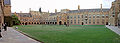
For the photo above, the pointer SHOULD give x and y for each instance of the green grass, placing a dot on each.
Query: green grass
(72, 34)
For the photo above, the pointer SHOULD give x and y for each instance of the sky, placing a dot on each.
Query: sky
(51, 5)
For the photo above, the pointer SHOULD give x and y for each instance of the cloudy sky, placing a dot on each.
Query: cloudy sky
(51, 5)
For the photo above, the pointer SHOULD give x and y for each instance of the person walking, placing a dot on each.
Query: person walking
(0, 32)
(5, 27)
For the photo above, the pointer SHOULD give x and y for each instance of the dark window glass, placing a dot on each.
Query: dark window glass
(102, 16)
(67, 17)
(93, 22)
(89, 16)
(97, 22)
(89, 22)
(74, 21)
(78, 16)
(82, 16)
(106, 16)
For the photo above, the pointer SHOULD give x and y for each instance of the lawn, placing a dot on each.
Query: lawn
(71, 34)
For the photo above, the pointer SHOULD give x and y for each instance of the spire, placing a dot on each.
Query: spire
(78, 7)
(101, 6)
(29, 9)
(48, 11)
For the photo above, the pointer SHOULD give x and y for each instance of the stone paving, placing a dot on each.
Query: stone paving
(13, 36)
(115, 29)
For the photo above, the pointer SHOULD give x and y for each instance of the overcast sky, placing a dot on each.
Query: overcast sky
(51, 5)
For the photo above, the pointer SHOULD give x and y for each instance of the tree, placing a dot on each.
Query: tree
(15, 20)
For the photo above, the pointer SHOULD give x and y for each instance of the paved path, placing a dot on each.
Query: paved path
(13, 36)
(115, 29)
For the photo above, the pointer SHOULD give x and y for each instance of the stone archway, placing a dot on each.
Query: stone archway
(82, 23)
(37, 23)
(60, 22)
(22, 23)
(55, 22)
(29, 23)
(106, 23)
(25, 23)
(64, 23)
(32, 23)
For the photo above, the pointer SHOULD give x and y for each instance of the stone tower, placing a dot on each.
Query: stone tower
(7, 12)
(7, 8)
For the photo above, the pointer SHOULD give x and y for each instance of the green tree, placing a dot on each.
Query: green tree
(15, 20)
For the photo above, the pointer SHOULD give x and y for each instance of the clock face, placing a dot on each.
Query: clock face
(7, 2)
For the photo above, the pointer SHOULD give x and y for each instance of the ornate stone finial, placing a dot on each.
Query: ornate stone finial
(101, 6)
(78, 7)
(55, 10)
(29, 9)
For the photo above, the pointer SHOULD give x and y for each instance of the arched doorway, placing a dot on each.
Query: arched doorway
(22, 23)
(82, 23)
(60, 23)
(55, 22)
(34, 22)
(29, 22)
(64, 23)
(106, 23)
(37, 23)
(25, 23)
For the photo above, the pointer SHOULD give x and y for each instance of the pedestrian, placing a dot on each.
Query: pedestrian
(16, 27)
(5, 27)
(0, 33)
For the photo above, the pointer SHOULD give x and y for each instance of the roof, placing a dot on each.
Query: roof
(24, 14)
(83, 10)
(87, 10)
(51, 14)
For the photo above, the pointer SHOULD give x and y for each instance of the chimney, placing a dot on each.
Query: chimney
(55, 10)
(29, 9)
(48, 11)
(101, 6)
(20, 11)
(78, 7)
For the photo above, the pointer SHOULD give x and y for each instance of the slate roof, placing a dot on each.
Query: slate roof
(24, 14)
(82, 10)
(51, 14)
(87, 10)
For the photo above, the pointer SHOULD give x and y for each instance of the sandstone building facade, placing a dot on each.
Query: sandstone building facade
(98, 16)
(5, 12)
(114, 13)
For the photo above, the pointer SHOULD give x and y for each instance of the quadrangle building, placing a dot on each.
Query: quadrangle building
(96, 16)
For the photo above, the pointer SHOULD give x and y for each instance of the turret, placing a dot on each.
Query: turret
(78, 7)
(40, 10)
(55, 10)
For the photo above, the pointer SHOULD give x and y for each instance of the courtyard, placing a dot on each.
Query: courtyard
(71, 34)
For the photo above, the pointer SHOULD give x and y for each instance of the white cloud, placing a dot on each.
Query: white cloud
(24, 5)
